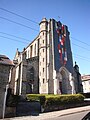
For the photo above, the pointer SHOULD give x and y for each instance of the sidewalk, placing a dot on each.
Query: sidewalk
(54, 114)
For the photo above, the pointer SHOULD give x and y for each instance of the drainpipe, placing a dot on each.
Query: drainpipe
(4, 103)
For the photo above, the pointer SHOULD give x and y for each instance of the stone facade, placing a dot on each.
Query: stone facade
(27, 78)
(5, 67)
(46, 65)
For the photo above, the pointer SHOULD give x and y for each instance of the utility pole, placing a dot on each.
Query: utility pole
(4, 103)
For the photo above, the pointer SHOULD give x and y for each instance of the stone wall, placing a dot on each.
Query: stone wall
(4, 79)
(33, 63)
(27, 81)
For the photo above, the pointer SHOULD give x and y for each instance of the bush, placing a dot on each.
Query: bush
(63, 99)
(56, 100)
(36, 97)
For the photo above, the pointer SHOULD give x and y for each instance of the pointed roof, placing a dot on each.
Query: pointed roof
(17, 53)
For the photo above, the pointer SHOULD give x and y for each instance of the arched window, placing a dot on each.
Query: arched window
(30, 80)
(32, 74)
(31, 50)
(35, 50)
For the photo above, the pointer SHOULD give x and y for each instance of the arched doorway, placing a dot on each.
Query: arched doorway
(63, 83)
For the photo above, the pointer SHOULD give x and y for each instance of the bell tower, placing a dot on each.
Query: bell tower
(43, 56)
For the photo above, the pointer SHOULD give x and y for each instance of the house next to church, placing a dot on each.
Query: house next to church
(86, 83)
(5, 71)
(46, 65)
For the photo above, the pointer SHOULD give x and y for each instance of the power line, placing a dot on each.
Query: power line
(80, 41)
(83, 57)
(14, 39)
(35, 22)
(76, 55)
(19, 16)
(18, 23)
(15, 36)
(81, 47)
(29, 40)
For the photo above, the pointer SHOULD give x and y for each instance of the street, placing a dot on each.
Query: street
(73, 116)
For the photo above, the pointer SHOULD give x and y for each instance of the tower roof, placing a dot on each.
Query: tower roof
(43, 20)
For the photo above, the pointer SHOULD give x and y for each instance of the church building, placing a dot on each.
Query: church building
(45, 66)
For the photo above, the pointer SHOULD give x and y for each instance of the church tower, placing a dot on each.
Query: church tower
(55, 58)
(43, 36)
(62, 59)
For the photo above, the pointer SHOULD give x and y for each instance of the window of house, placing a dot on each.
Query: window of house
(43, 59)
(31, 49)
(35, 50)
(25, 55)
(43, 50)
(28, 53)
(43, 41)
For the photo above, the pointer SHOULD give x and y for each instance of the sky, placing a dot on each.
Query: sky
(73, 13)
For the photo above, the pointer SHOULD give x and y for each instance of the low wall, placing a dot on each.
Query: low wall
(67, 106)
(10, 112)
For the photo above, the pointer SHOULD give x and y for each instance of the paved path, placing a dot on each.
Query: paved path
(54, 114)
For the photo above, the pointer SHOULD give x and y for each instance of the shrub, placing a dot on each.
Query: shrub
(36, 97)
(56, 100)
(63, 99)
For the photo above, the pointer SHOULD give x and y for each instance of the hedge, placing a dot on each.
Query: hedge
(51, 100)
(36, 97)
(63, 99)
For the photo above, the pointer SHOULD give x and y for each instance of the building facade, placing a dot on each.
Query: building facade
(5, 67)
(46, 65)
(86, 83)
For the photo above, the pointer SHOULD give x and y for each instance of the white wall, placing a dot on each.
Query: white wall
(86, 86)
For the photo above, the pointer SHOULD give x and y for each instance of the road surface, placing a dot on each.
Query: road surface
(73, 116)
